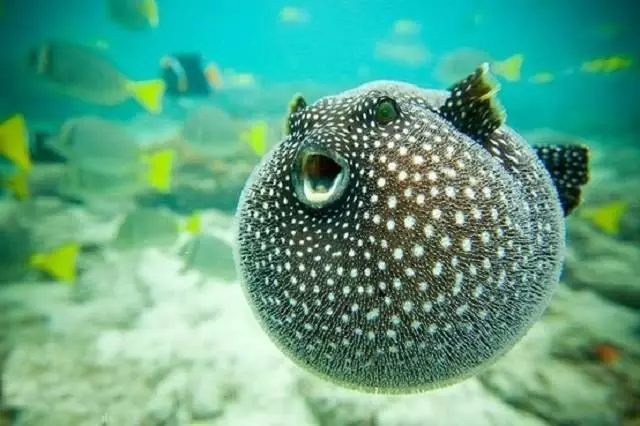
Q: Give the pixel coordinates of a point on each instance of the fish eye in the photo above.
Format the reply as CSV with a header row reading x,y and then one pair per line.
x,y
386,111
320,177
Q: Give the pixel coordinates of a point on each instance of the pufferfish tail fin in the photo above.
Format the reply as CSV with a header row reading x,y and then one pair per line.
x,y
472,107
568,166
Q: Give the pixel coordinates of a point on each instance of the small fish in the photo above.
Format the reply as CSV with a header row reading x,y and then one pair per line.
x,y
607,64
509,69
134,14
459,63
542,78
84,73
14,146
210,255
153,227
103,159
184,75
400,239
210,133
17,255
606,217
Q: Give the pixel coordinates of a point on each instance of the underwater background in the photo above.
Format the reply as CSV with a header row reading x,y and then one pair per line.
x,y
128,129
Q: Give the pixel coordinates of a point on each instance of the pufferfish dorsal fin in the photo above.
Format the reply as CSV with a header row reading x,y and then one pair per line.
x,y
568,166
296,104
472,106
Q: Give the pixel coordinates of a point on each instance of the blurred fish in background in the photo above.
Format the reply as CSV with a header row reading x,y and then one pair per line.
x,y
103,161
134,15
211,133
153,227
18,256
185,75
456,65
82,72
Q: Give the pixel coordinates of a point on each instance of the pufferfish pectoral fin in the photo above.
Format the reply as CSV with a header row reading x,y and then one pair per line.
x,y
298,103
472,107
568,166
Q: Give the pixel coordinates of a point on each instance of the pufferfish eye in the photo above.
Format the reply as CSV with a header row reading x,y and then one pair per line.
x,y
386,111
320,177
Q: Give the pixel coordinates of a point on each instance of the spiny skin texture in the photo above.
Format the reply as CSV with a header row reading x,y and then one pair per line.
x,y
436,259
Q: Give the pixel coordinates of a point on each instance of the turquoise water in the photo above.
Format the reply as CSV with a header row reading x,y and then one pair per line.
x,y
338,42
143,321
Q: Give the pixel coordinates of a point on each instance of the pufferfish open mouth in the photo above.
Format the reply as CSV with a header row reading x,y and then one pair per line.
x,y
322,177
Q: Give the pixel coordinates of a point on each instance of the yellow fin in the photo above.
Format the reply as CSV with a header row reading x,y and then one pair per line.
x,y
608,64
213,75
193,224
60,263
509,69
18,184
148,93
256,137
14,141
149,10
160,169
606,217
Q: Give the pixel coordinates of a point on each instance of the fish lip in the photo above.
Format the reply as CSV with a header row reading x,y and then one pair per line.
x,y
339,189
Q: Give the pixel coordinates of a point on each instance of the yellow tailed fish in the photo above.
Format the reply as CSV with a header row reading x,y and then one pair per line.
x,y
85,73
606,217
60,262
149,9
607,64
510,68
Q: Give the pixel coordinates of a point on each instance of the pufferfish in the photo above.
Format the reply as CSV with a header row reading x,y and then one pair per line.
x,y
400,239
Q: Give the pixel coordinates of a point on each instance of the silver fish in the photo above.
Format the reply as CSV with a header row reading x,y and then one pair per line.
x,y
402,239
